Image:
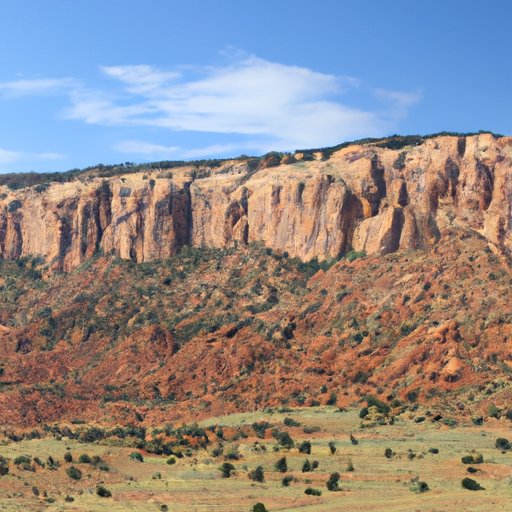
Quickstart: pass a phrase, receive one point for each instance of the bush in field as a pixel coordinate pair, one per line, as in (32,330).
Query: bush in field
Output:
(313,492)
(4,466)
(333,482)
(470,484)
(388,453)
(306,466)
(332,447)
(305,447)
(84,459)
(226,469)
(68,457)
(137,456)
(503,444)
(74,473)
(472,459)
(103,492)
(257,475)
(259,507)
(286,480)
(281,465)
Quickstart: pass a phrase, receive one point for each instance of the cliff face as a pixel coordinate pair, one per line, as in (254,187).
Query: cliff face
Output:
(365,198)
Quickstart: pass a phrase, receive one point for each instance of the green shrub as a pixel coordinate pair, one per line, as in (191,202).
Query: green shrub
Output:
(68,498)
(285,482)
(472,485)
(333,482)
(493,411)
(84,459)
(503,444)
(305,447)
(103,492)
(306,466)
(472,459)
(332,447)
(290,422)
(372,401)
(281,465)
(226,469)
(4,466)
(419,486)
(259,507)
(313,492)
(22,459)
(388,453)
(363,413)
(74,473)
(137,456)
(257,475)
(68,457)
(171,460)
(284,439)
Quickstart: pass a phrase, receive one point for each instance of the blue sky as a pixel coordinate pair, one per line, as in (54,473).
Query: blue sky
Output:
(85,81)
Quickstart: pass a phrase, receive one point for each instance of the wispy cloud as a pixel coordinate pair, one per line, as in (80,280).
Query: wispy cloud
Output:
(258,104)
(8,157)
(37,86)
(151,151)
(277,106)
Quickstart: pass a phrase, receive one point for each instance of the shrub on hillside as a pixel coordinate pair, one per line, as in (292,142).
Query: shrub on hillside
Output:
(257,475)
(103,492)
(281,465)
(137,456)
(74,473)
(333,482)
(226,469)
(470,484)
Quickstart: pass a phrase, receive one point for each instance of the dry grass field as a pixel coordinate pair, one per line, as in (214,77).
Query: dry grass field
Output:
(194,482)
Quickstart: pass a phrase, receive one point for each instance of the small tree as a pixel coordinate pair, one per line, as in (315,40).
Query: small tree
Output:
(286,480)
(68,457)
(259,507)
(226,469)
(470,484)
(74,473)
(503,444)
(137,456)
(257,474)
(306,467)
(281,465)
(388,453)
(84,459)
(4,466)
(305,447)
(333,482)
(332,447)
(103,492)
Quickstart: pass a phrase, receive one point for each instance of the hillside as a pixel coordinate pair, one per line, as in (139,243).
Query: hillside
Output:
(367,270)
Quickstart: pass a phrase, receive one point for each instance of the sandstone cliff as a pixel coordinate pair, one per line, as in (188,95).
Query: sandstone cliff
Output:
(363,197)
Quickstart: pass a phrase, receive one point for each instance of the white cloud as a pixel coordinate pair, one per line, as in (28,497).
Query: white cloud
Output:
(49,156)
(278,106)
(149,150)
(8,157)
(144,148)
(37,86)
(261,105)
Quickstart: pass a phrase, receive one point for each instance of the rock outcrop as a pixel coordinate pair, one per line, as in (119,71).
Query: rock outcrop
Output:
(363,197)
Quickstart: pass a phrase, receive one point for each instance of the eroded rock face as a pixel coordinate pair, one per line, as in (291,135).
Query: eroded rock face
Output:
(364,198)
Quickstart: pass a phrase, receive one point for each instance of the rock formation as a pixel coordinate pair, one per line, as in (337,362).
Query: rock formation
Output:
(363,198)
